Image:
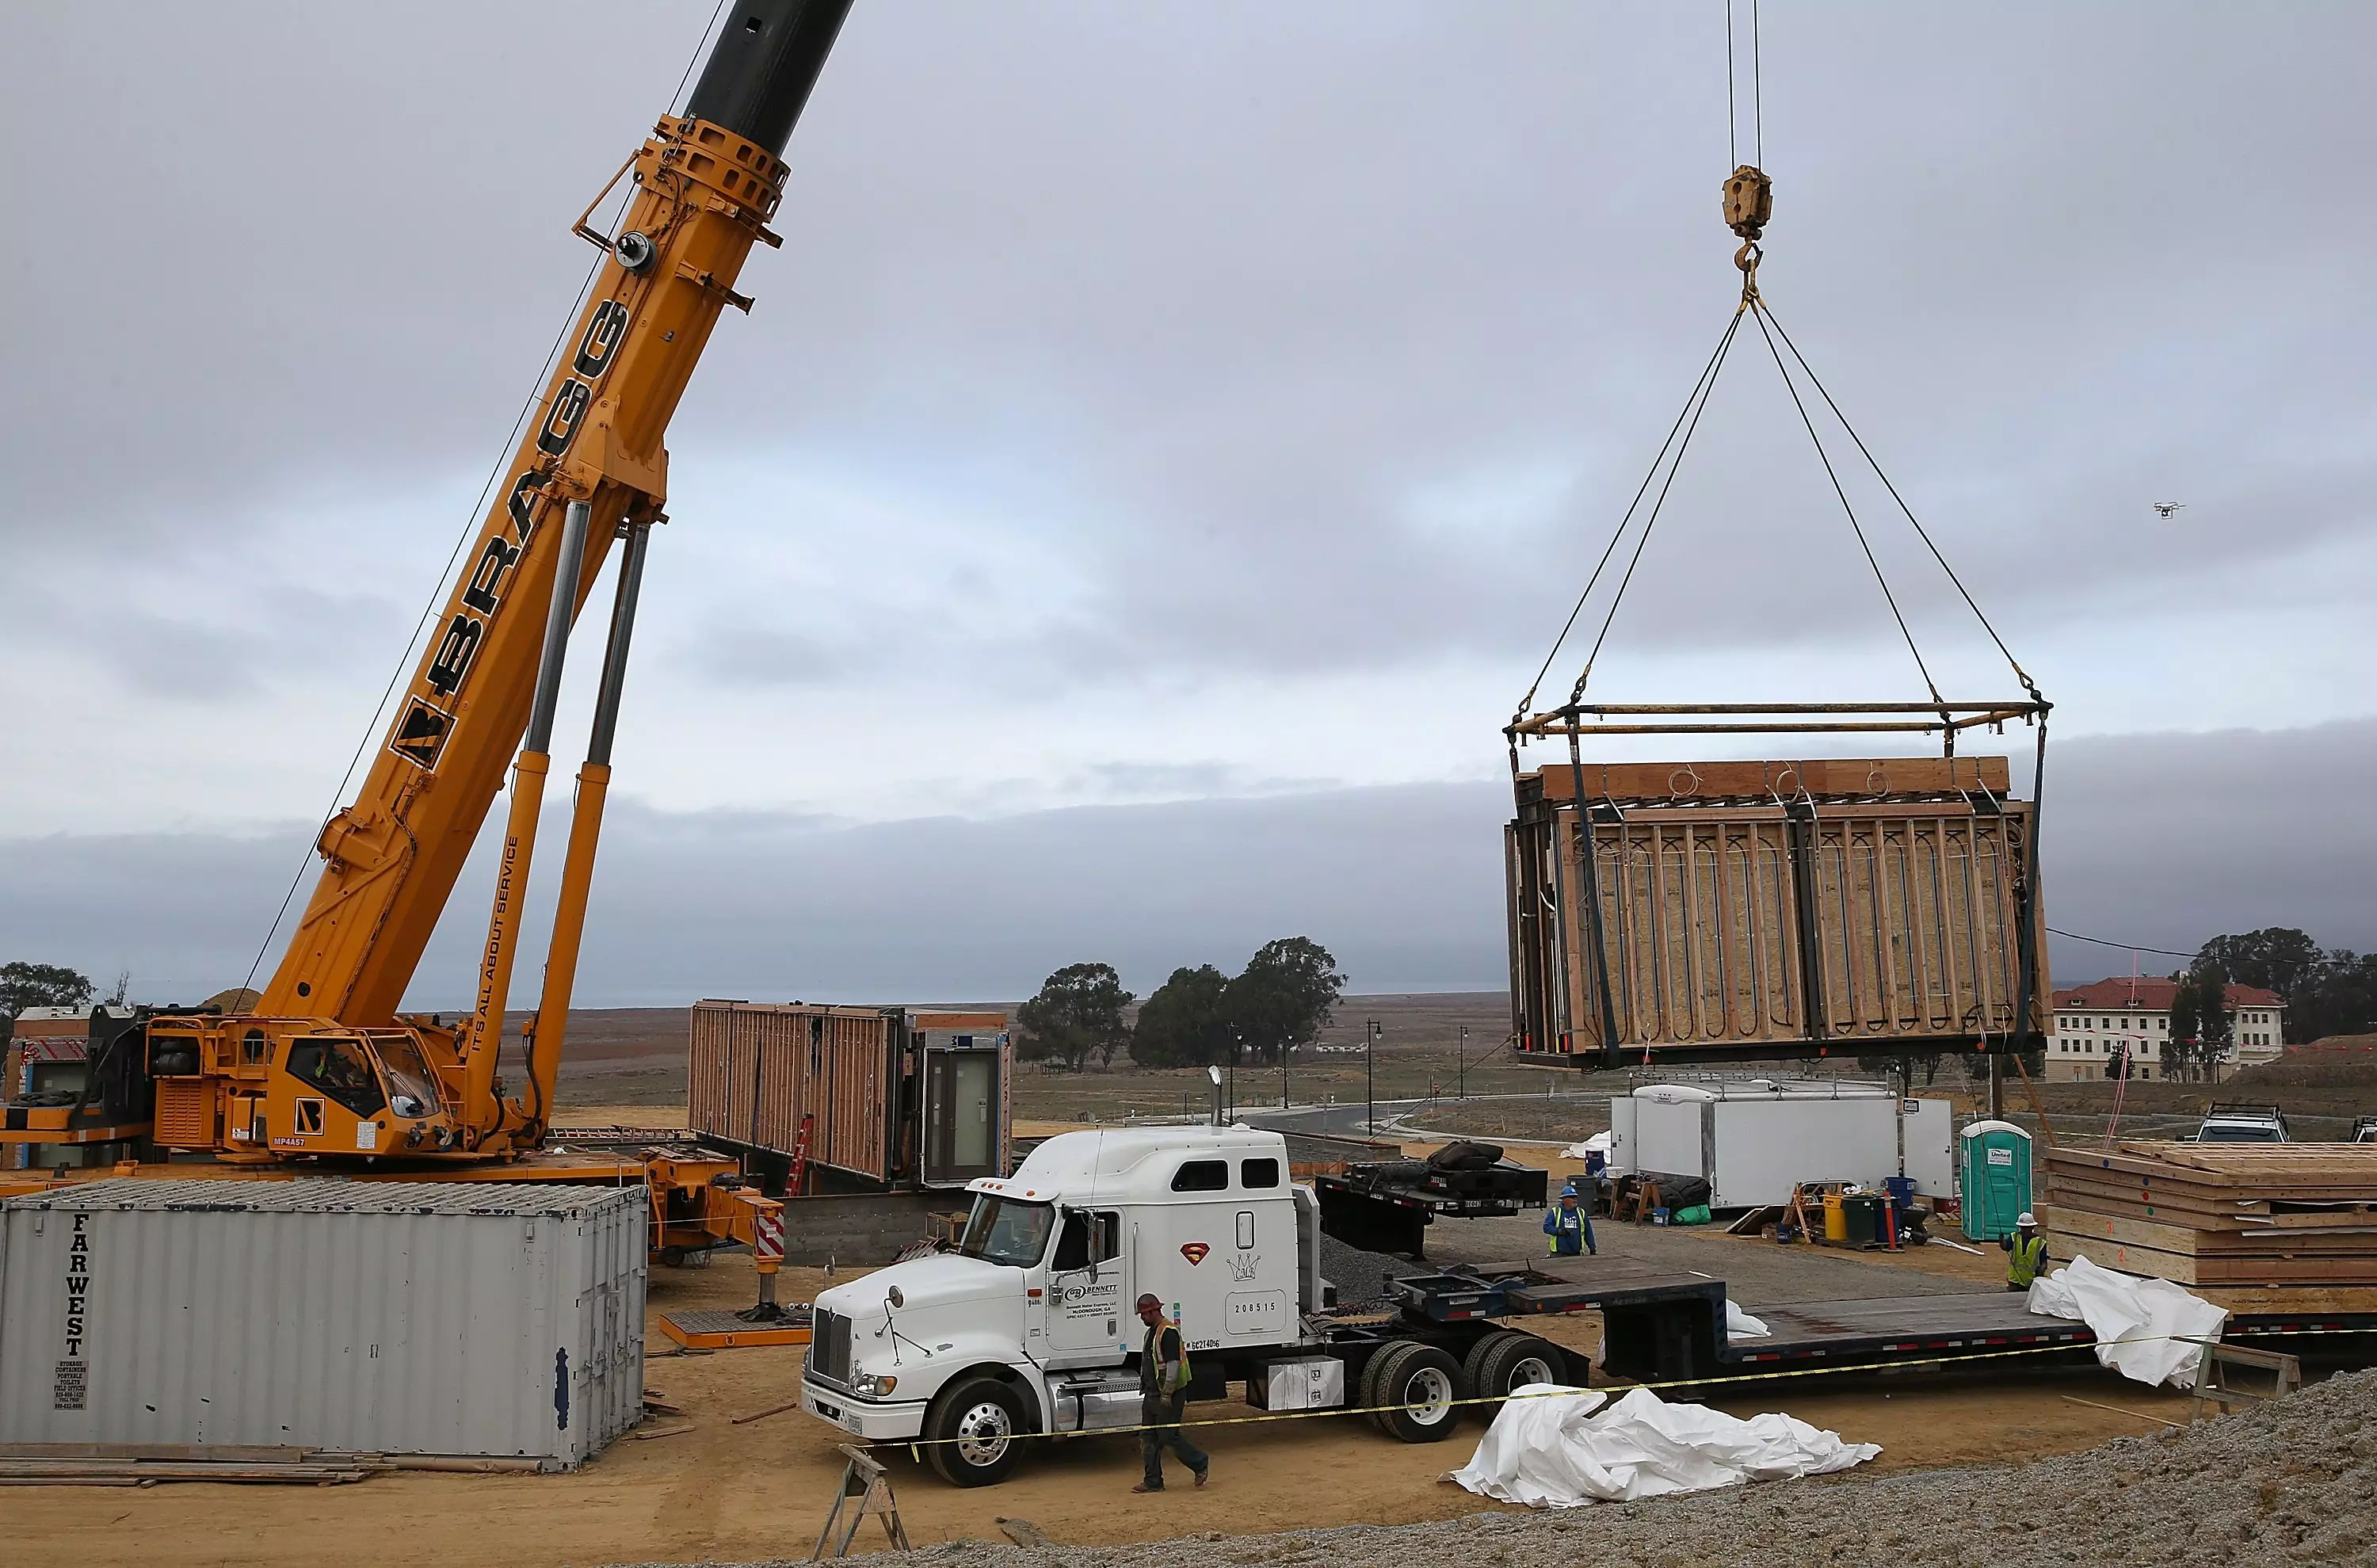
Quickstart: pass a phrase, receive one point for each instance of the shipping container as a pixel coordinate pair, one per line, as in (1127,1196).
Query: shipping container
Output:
(473,1319)
(893,1097)
(1741,910)
(1754,1140)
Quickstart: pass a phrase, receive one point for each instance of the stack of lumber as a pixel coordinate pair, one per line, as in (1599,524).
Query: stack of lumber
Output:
(2230,1214)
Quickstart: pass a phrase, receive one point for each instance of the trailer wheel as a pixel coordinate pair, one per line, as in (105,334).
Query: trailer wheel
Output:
(1419,1393)
(975,1432)
(1504,1361)
(1474,1384)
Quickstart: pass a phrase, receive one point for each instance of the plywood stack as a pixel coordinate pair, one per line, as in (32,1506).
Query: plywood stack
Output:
(2273,1215)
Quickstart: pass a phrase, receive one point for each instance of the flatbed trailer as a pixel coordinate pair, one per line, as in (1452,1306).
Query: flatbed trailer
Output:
(1367,1207)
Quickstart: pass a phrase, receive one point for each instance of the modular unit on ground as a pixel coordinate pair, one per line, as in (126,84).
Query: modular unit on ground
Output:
(1753,1141)
(468,1319)
(889,1097)
(1744,910)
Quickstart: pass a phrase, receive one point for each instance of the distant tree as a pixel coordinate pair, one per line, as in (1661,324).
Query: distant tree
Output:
(1284,997)
(1186,1023)
(2201,1026)
(1904,1065)
(2276,958)
(2326,992)
(2342,1000)
(40,985)
(123,991)
(1077,1014)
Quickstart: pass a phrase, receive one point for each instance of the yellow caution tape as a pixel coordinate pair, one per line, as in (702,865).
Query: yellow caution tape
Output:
(1728,1380)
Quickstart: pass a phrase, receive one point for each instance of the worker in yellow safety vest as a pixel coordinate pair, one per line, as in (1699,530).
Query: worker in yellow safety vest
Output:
(2025,1251)
(1163,1390)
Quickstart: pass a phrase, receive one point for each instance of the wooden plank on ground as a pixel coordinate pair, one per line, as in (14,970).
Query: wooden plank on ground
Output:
(2194,1243)
(2181,1269)
(2285,1300)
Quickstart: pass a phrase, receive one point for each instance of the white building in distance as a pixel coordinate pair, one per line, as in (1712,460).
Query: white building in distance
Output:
(2096,1025)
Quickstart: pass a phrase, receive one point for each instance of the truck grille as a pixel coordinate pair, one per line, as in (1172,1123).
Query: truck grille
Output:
(830,1345)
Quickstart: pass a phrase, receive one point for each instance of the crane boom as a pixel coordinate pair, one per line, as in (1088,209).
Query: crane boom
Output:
(704,185)
(325,1068)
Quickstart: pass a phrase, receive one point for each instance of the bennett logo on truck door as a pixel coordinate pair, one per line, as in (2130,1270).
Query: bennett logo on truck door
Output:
(422,728)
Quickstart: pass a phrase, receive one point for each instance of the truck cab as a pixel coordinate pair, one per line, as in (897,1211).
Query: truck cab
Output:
(2243,1124)
(1026,1324)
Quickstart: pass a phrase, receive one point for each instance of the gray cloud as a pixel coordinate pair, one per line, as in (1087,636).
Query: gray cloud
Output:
(1319,340)
(2163,840)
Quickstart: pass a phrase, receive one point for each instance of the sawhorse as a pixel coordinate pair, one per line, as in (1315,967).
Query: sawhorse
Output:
(862,1479)
(2216,1370)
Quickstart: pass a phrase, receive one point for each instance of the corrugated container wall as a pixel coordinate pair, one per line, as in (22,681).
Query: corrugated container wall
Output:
(894,1099)
(1753,908)
(468,1319)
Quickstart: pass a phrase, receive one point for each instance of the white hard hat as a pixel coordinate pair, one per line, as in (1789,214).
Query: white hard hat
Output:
(2026,1218)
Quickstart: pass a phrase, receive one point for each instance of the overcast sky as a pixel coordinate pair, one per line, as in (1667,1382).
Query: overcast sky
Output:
(1167,406)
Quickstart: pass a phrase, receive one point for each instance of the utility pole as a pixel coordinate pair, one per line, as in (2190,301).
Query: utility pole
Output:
(1460,1066)
(1285,1052)
(1369,1078)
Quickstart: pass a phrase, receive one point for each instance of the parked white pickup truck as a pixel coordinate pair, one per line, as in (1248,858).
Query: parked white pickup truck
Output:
(1026,1326)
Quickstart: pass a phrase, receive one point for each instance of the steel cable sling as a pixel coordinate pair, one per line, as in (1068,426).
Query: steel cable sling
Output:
(1748,208)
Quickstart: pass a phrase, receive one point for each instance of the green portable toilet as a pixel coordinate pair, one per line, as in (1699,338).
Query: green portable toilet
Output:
(1995,1172)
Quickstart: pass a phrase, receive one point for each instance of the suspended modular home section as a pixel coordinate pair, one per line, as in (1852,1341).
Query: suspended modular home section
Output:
(1729,911)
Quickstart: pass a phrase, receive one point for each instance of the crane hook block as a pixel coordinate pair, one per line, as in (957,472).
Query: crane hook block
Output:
(1749,201)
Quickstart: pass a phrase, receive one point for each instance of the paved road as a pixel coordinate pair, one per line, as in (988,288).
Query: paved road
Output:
(1755,1273)
(1345,1119)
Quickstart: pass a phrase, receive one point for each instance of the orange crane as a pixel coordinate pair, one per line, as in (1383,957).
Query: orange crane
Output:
(326,1072)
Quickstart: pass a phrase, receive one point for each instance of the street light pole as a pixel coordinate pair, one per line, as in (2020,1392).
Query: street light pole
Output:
(1460,1066)
(1369,1078)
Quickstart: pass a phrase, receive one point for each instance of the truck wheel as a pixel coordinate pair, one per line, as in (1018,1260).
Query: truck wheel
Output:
(1500,1362)
(1419,1388)
(975,1432)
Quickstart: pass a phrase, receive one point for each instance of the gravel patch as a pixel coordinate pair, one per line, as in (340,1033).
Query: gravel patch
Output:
(1361,1277)
(2288,1484)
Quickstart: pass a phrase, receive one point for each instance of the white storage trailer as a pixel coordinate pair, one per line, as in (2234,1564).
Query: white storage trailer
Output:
(1753,1139)
(468,1319)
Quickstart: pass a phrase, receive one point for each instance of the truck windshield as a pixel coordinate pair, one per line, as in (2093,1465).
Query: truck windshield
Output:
(1004,1230)
(2234,1134)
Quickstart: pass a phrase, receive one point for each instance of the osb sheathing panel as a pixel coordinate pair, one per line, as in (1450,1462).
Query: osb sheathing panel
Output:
(1915,925)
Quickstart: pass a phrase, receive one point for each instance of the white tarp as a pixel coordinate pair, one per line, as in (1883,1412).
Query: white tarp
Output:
(2146,1329)
(1552,1451)
(1596,1145)
(1740,1324)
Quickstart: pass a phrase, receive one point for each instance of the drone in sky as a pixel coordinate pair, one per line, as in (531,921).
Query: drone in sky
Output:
(2165,509)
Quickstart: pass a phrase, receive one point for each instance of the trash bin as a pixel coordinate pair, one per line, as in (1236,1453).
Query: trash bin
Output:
(1993,1164)
(1861,1216)
(1836,1224)
(1902,1192)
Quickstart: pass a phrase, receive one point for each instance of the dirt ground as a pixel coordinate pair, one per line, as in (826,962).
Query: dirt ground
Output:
(722,1491)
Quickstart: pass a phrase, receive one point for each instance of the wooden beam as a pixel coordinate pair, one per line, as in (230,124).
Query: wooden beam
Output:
(1869,776)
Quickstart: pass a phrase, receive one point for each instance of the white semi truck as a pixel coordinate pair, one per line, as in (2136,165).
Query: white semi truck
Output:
(1026,1327)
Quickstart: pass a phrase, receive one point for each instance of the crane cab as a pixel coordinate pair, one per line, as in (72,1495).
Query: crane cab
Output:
(281,1088)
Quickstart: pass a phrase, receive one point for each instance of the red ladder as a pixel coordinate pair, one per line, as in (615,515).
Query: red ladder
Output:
(795,1185)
